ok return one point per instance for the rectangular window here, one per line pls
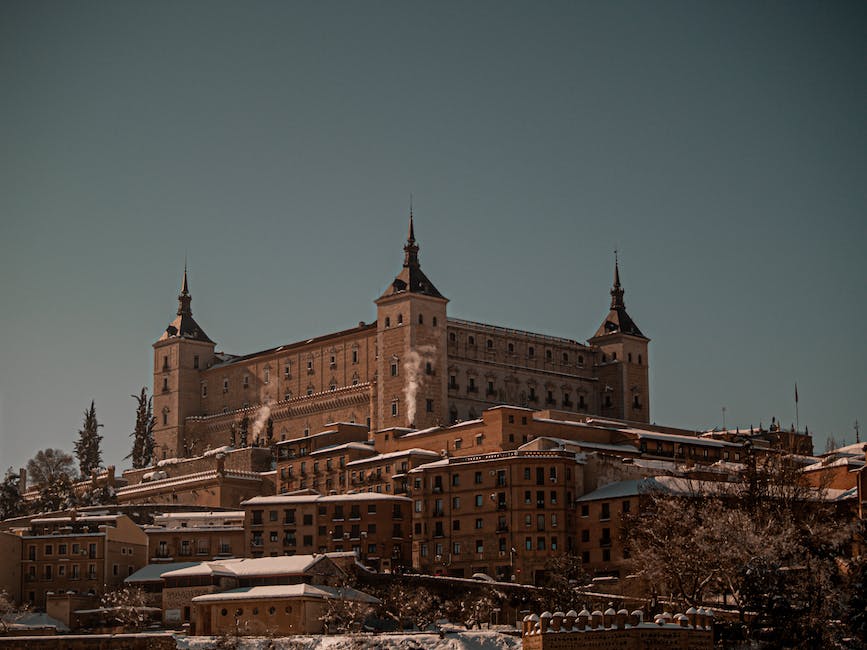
(480, 546)
(479, 500)
(478, 524)
(428, 406)
(606, 511)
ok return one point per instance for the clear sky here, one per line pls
(721, 147)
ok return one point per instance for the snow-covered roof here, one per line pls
(330, 449)
(600, 446)
(154, 572)
(845, 461)
(421, 432)
(273, 592)
(671, 437)
(415, 451)
(318, 498)
(84, 519)
(246, 567)
(856, 449)
(37, 620)
(189, 479)
(226, 514)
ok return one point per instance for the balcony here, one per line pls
(472, 389)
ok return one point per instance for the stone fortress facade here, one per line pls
(412, 367)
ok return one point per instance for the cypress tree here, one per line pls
(143, 434)
(87, 446)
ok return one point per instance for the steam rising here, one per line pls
(413, 366)
(261, 419)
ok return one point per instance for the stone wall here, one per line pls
(155, 641)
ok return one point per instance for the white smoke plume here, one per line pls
(413, 366)
(261, 419)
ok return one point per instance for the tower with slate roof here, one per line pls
(411, 345)
(621, 361)
(179, 355)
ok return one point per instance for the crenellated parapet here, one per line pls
(621, 630)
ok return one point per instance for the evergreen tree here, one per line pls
(87, 446)
(143, 434)
(56, 495)
(11, 504)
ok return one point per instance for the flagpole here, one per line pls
(797, 419)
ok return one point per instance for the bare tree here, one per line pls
(10, 613)
(49, 464)
(768, 543)
(127, 606)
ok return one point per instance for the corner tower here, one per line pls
(411, 345)
(621, 362)
(179, 355)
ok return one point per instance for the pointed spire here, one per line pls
(410, 250)
(411, 237)
(184, 299)
(617, 290)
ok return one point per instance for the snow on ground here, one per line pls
(463, 640)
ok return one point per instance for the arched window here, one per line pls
(490, 344)
(388, 321)
(400, 319)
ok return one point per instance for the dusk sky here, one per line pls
(720, 147)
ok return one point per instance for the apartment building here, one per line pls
(83, 554)
(374, 526)
(186, 536)
(502, 514)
